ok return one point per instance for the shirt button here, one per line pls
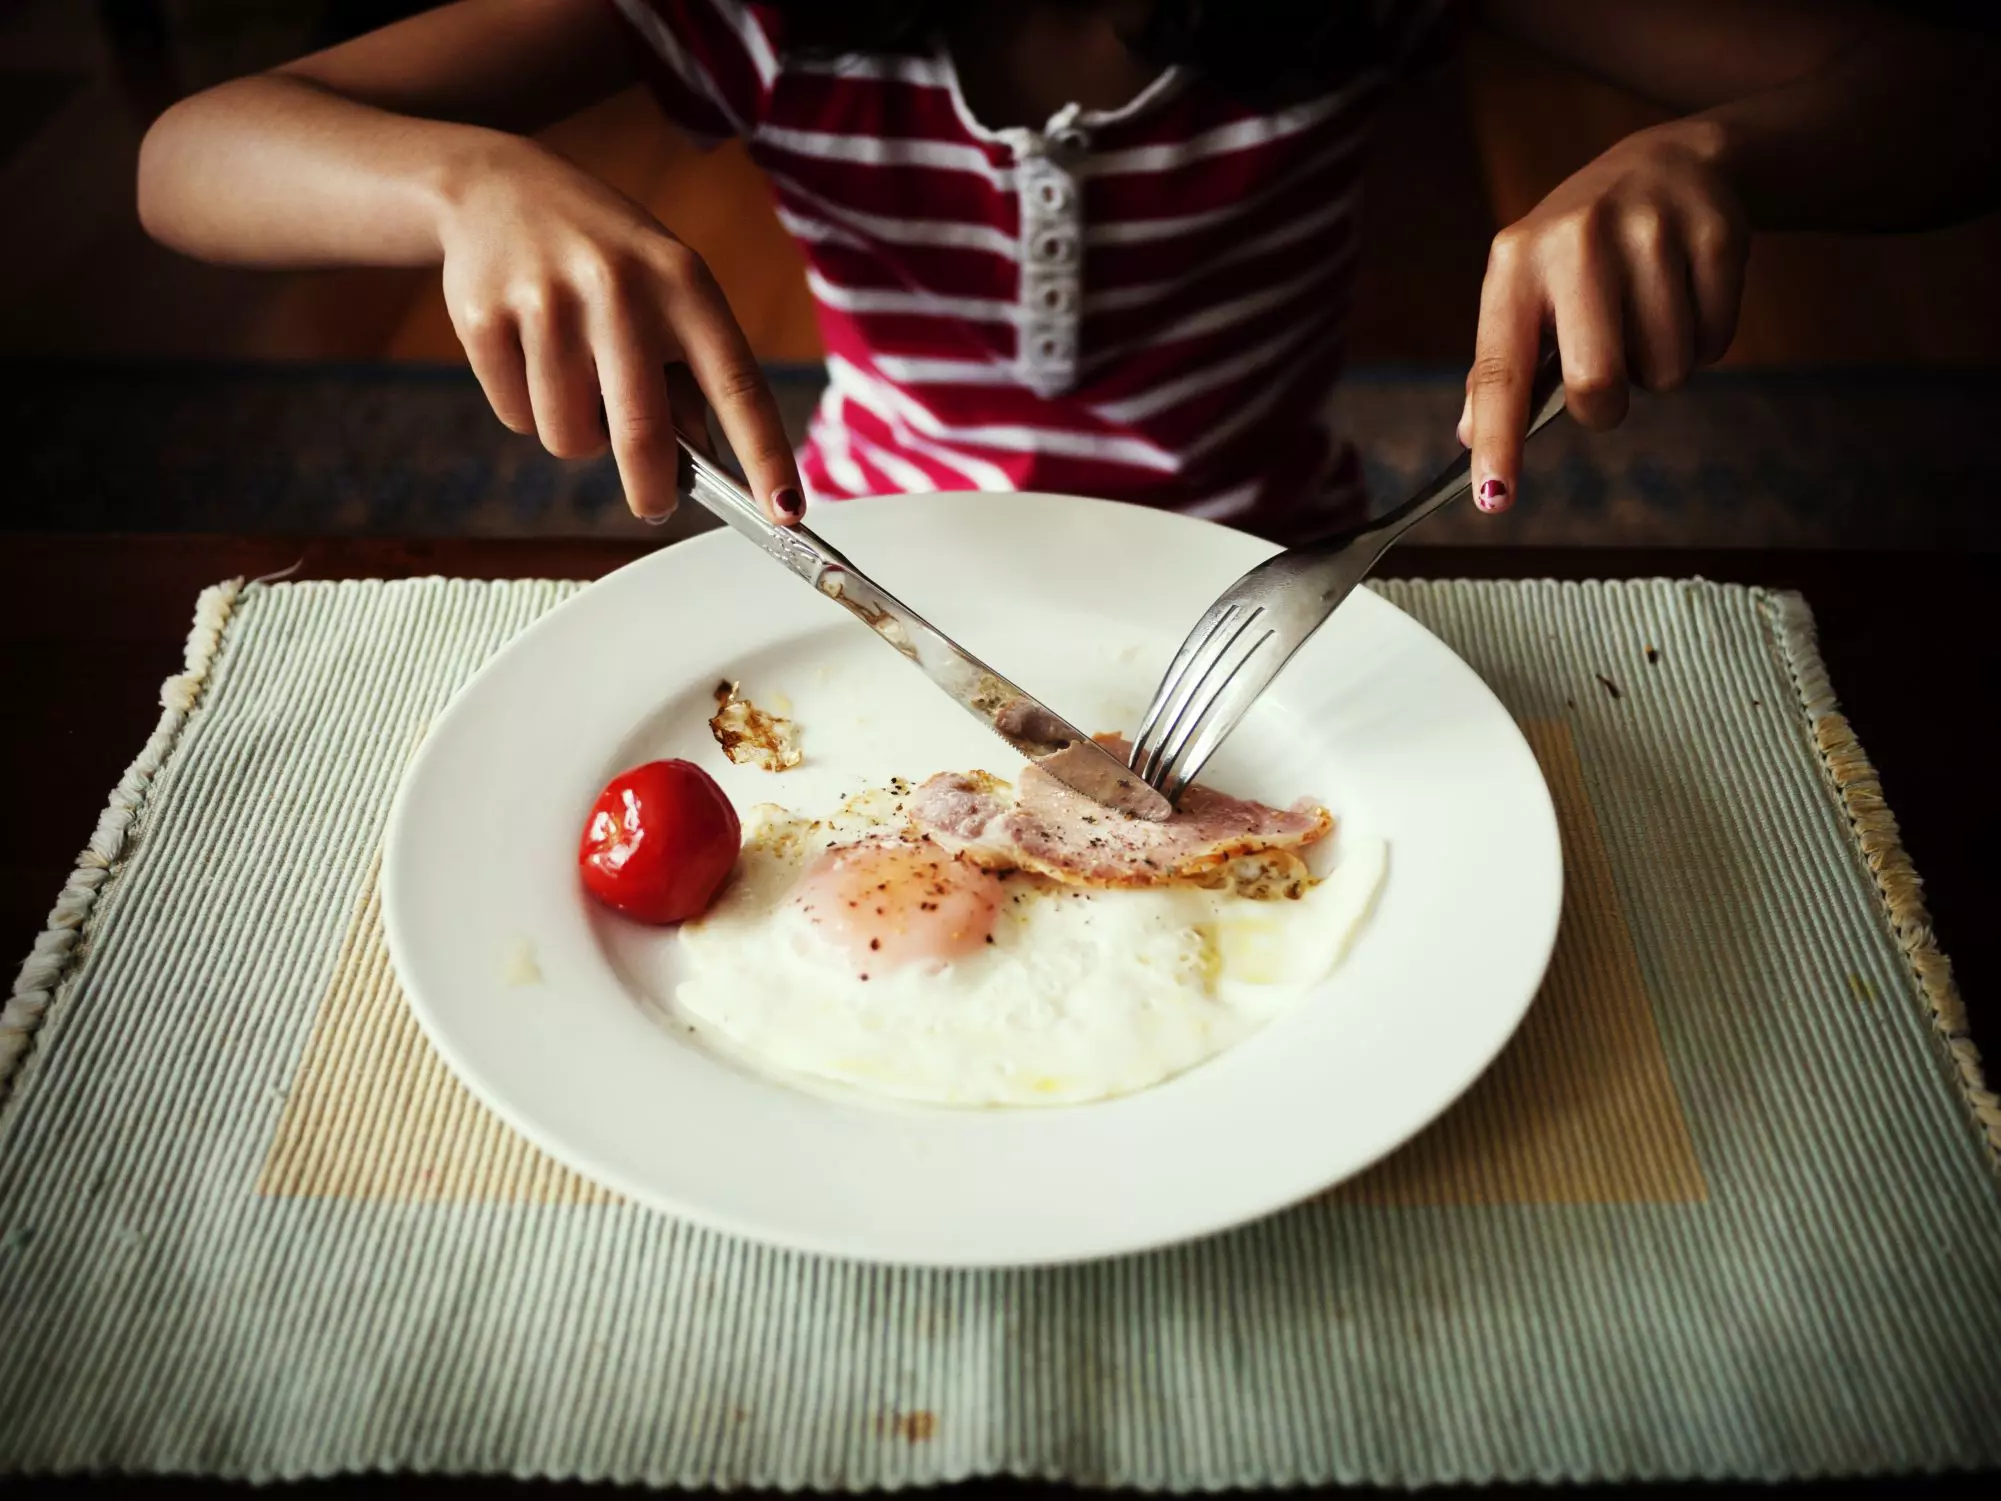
(1048, 346)
(1052, 194)
(1054, 247)
(1047, 295)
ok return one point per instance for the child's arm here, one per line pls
(1809, 114)
(403, 148)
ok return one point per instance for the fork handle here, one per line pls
(1545, 401)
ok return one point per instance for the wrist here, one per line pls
(470, 161)
(1706, 139)
(1717, 149)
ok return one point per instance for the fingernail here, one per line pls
(658, 520)
(1491, 496)
(789, 503)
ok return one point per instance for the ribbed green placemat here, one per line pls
(1727, 1206)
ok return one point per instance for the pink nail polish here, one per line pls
(1490, 495)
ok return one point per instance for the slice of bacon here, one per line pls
(1044, 827)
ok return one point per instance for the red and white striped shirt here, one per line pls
(1144, 304)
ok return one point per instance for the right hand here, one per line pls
(571, 301)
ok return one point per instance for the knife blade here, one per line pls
(1034, 730)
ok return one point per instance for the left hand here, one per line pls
(1637, 261)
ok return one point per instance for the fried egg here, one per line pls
(854, 950)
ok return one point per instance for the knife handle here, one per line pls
(712, 487)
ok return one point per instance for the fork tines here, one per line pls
(1165, 751)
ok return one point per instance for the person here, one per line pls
(1093, 246)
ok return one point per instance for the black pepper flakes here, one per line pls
(1609, 686)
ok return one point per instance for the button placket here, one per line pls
(1052, 254)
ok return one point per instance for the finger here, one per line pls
(1660, 316)
(492, 344)
(1586, 297)
(691, 407)
(1717, 253)
(729, 376)
(639, 416)
(1464, 429)
(1497, 389)
(562, 383)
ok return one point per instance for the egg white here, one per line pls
(1082, 995)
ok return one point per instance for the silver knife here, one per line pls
(1037, 732)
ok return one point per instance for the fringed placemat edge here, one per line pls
(1879, 842)
(50, 961)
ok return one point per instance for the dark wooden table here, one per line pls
(90, 626)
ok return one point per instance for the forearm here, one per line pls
(345, 156)
(1821, 114)
(1899, 131)
(275, 170)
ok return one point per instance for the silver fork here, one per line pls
(1256, 624)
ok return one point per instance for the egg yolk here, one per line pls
(892, 902)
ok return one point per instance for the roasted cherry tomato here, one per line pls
(661, 840)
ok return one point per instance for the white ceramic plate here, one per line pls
(1083, 602)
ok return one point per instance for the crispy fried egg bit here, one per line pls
(859, 949)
